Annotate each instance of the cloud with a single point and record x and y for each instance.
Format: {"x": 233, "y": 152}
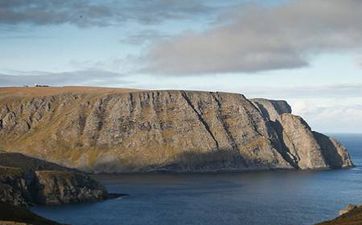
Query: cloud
{"x": 97, "y": 13}
{"x": 146, "y": 35}
{"x": 333, "y": 117}
{"x": 306, "y": 92}
{"x": 100, "y": 78}
{"x": 256, "y": 37}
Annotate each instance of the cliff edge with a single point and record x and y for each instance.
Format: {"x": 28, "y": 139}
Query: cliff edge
{"x": 116, "y": 130}
{"x": 25, "y": 181}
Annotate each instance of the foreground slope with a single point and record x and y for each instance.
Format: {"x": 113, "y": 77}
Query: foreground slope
{"x": 351, "y": 217}
{"x": 121, "y": 130}
{"x": 14, "y": 215}
{"x": 26, "y": 181}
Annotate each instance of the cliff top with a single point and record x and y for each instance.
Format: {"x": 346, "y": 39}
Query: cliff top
{"x": 18, "y": 160}
{"x": 10, "y": 93}
{"x": 47, "y": 91}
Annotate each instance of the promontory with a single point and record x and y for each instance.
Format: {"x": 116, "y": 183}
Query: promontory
{"x": 124, "y": 130}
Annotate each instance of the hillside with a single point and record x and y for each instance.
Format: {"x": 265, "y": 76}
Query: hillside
{"x": 25, "y": 181}
{"x": 352, "y": 217}
{"x": 125, "y": 130}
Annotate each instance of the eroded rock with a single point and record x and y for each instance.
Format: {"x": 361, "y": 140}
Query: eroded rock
{"x": 142, "y": 131}
{"x": 34, "y": 181}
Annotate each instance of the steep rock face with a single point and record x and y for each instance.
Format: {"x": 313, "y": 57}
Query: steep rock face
{"x": 334, "y": 152}
{"x": 162, "y": 130}
{"x": 60, "y": 187}
{"x": 301, "y": 143}
{"x": 32, "y": 181}
{"x": 13, "y": 187}
{"x": 272, "y": 109}
{"x": 302, "y": 147}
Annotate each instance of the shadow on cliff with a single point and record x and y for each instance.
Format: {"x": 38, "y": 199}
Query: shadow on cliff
{"x": 329, "y": 151}
{"x": 328, "y": 148}
{"x": 278, "y": 144}
{"x": 213, "y": 160}
{"x": 190, "y": 161}
{"x": 282, "y": 147}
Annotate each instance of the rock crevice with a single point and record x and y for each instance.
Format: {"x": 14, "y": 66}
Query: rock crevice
{"x": 140, "y": 131}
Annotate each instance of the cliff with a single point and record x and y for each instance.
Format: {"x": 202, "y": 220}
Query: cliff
{"x": 25, "y": 180}
{"x": 117, "y": 130}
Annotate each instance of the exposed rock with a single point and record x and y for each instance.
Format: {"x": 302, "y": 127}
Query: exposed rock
{"x": 334, "y": 152}
{"x": 351, "y": 215}
{"x": 347, "y": 209}
{"x": 36, "y": 181}
{"x": 302, "y": 147}
{"x": 299, "y": 139}
{"x": 58, "y": 187}
{"x": 272, "y": 109}
{"x": 13, "y": 186}
{"x": 138, "y": 131}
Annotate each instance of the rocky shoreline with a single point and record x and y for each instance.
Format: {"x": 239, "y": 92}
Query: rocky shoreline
{"x": 351, "y": 215}
{"x": 26, "y": 181}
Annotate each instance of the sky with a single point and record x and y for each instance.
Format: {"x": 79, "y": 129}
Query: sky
{"x": 307, "y": 52}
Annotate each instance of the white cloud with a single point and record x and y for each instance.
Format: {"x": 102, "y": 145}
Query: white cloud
{"x": 257, "y": 37}
{"x": 85, "y": 13}
{"x": 336, "y": 115}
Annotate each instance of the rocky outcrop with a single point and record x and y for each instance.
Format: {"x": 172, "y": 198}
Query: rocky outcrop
{"x": 141, "y": 131}
{"x": 272, "y": 109}
{"x": 347, "y": 209}
{"x": 351, "y": 215}
{"x": 302, "y": 147}
{"x": 33, "y": 181}
{"x": 13, "y": 187}
{"x": 60, "y": 187}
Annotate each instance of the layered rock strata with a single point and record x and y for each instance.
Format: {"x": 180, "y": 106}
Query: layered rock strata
{"x": 25, "y": 180}
{"x": 182, "y": 131}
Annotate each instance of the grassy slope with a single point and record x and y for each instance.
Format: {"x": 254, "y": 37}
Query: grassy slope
{"x": 48, "y": 91}
{"x": 354, "y": 217}
{"x": 11, "y": 94}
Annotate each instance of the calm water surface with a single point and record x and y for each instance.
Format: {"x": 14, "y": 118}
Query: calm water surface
{"x": 258, "y": 198}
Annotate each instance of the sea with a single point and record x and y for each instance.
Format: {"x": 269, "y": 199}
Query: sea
{"x": 249, "y": 198}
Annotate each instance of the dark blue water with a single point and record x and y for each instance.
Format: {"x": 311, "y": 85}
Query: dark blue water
{"x": 258, "y": 198}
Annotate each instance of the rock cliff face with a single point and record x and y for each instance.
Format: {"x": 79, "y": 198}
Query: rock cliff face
{"x": 25, "y": 180}
{"x": 60, "y": 187}
{"x": 138, "y": 131}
